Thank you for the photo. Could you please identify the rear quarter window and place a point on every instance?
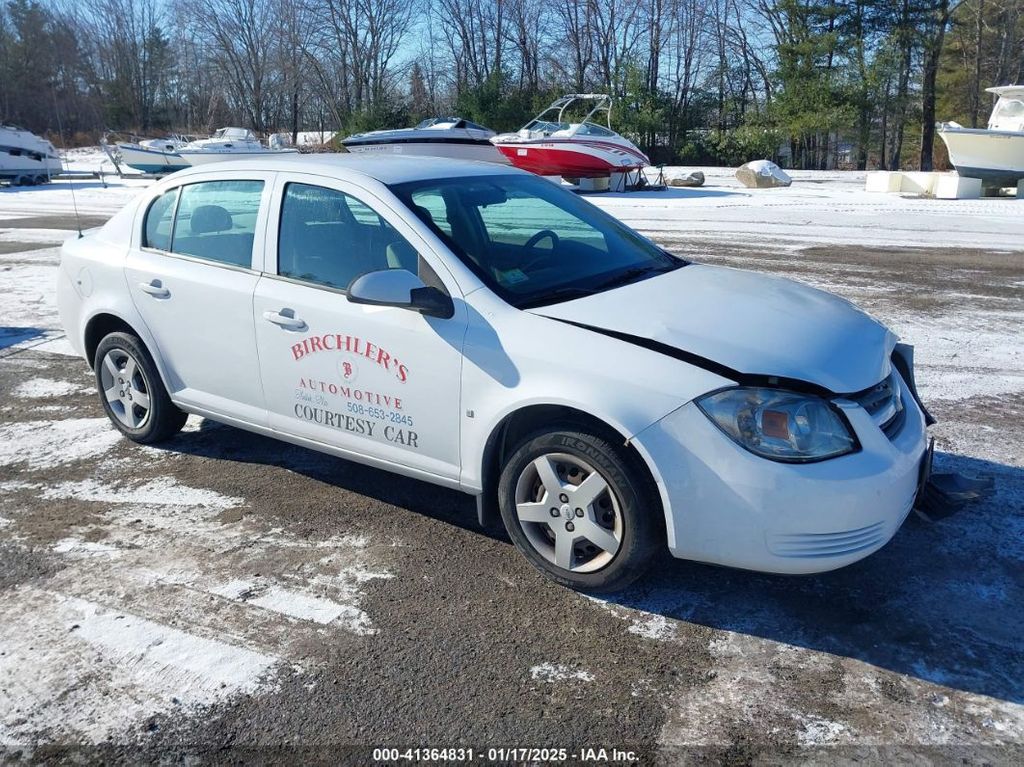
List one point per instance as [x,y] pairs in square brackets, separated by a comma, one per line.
[159,219]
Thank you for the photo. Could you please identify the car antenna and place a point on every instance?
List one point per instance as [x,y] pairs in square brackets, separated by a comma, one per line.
[64,162]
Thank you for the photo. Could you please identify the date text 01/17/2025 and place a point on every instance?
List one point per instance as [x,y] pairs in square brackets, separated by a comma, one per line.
[503,754]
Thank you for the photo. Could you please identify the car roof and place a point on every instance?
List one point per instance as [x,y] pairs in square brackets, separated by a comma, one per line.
[388,169]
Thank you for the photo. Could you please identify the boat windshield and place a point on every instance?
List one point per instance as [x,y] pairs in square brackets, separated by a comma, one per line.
[438,123]
[531,242]
[547,126]
[590,129]
[1008,109]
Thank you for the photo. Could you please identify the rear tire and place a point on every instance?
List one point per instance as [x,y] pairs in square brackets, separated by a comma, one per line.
[581,509]
[131,390]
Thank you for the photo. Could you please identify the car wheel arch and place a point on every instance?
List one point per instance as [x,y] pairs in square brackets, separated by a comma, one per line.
[530,419]
[98,327]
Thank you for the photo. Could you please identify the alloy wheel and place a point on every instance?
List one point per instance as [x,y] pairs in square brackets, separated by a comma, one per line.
[569,512]
[125,388]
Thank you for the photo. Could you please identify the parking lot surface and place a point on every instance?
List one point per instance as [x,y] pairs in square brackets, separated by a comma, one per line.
[225,590]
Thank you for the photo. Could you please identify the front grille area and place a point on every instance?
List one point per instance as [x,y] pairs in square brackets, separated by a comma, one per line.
[837,544]
[883,403]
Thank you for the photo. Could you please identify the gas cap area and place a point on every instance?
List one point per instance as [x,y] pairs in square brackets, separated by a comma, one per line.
[83,283]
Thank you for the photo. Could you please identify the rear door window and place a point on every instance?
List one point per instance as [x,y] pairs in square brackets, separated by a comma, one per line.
[216,221]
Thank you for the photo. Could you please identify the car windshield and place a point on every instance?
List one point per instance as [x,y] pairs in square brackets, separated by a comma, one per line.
[531,242]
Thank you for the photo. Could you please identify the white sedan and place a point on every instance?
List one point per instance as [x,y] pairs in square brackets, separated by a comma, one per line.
[481,328]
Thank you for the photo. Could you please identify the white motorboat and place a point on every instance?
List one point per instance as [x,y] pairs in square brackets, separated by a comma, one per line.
[994,154]
[25,158]
[158,155]
[226,144]
[451,137]
[551,145]
[166,155]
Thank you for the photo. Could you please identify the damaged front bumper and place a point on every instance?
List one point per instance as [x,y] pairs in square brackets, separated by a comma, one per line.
[938,495]
[728,506]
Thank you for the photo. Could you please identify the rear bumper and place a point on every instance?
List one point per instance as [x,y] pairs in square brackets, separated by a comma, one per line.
[727,506]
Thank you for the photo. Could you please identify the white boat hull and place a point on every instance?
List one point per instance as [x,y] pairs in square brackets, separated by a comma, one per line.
[996,157]
[482,151]
[26,158]
[150,160]
[28,168]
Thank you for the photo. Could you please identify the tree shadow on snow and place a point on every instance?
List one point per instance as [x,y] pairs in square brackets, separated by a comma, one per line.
[11,336]
[941,602]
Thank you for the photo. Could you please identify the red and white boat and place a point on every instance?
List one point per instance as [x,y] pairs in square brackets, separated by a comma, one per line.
[551,145]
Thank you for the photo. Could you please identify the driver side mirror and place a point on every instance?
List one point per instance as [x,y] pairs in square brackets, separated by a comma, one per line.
[401,289]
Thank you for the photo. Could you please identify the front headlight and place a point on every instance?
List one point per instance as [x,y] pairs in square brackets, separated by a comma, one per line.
[781,425]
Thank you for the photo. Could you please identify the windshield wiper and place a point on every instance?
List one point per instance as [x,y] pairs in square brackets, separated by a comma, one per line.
[632,275]
[556,296]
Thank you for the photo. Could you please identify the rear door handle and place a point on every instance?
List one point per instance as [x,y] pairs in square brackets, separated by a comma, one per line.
[285,321]
[155,289]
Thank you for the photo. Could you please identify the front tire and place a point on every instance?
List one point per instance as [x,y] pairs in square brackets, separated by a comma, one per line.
[582,510]
[132,392]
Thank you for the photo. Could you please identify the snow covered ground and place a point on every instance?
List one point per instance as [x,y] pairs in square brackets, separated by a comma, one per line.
[233,580]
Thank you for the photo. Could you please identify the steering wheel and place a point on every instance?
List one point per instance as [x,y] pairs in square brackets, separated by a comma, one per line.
[531,245]
[532,242]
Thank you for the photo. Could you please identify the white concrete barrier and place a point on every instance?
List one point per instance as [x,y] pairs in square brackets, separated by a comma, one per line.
[883,181]
[944,186]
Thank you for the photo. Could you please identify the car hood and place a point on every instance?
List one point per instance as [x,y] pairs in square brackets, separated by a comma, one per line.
[742,324]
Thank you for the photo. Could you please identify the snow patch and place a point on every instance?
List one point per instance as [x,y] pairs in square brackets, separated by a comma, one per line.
[57,345]
[163,491]
[48,444]
[295,604]
[654,627]
[643,623]
[38,388]
[80,548]
[90,672]
[556,672]
[817,731]
[36,235]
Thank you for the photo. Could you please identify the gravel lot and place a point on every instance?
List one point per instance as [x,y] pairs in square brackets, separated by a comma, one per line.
[227,591]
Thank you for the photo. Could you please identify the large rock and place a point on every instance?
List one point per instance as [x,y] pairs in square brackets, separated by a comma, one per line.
[687,178]
[762,174]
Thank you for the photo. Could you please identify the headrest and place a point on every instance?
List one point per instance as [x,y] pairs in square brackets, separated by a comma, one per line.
[210,218]
[402,255]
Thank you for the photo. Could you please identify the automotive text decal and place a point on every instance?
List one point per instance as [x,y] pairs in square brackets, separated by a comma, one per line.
[342,393]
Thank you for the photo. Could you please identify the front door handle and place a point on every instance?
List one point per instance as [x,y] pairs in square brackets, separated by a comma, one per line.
[155,289]
[286,321]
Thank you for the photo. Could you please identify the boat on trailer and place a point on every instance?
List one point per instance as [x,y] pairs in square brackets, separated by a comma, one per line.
[25,158]
[553,145]
[452,137]
[173,153]
[994,154]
